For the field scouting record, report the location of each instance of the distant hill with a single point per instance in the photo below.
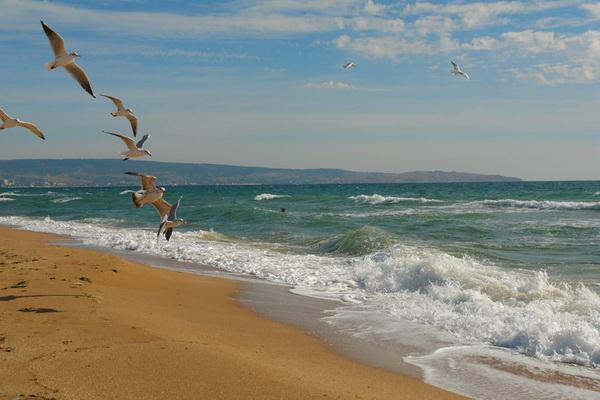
(109, 172)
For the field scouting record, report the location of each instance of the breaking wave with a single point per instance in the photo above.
(269, 196)
(541, 204)
(379, 199)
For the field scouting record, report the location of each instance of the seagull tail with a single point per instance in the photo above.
(136, 201)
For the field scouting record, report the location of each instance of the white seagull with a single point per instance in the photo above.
(9, 122)
(457, 71)
(66, 60)
(349, 65)
(149, 193)
(168, 217)
(123, 112)
(135, 150)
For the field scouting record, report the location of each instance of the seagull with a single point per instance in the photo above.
(123, 112)
(149, 192)
(66, 60)
(135, 149)
(349, 65)
(457, 71)
(168, 217)
(9, 122)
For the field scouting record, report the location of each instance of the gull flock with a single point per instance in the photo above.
(149, 193)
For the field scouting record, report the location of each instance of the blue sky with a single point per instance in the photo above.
(253, 82)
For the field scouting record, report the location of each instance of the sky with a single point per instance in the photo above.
(261, 83)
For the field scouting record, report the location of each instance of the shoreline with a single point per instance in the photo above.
(78, 329)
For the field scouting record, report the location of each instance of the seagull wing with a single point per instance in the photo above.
(118, 102)
(141, 142)
(79, 74)
(148, 181)
(465, 75)
(56, 41)
(128, 141)
(455, 66)
(163, 208)
(3, 115)
(32, 128)
(173, 212)
(133, 121)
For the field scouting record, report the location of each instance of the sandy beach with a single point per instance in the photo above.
(82, 324)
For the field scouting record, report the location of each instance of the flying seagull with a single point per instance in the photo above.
(457, 71)
(9, 122)
(123, 112)
(135, 150)
(168, 217)
(349, 65)
(66, 60)
(149, 193)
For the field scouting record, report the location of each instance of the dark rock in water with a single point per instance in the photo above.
(85, 279)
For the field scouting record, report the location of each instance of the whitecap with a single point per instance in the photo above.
(65, 199)
(379, 199)
(540, 204)
(269, 196)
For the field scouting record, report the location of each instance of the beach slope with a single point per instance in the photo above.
(82, 324)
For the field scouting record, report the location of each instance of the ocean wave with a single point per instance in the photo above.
(540, 204)
(65, 199)
(360, 241)
(2, 198)
(374, 199)
(476, 302)
(480, 303)
(16, 194)
(269, 196)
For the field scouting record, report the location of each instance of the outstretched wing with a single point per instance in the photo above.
(162, 207)
(33, 129)
(134, 123)
(128, 141)
(56, 41)
(454, 66)
(141, 142)
(117, 101)
(3, 115)
(148, 181)
(173, 212)
(168, 233)
(79, 74)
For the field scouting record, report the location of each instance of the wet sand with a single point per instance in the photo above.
(82, 324)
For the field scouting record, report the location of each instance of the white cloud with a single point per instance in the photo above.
(327, 85)
(592, 8)
(372, 8)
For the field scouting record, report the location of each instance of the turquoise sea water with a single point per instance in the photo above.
(513, 266)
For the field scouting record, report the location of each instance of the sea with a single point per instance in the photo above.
(499, 282)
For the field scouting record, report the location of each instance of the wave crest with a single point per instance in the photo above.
(374, 199)
(541, 204)
(269, 196)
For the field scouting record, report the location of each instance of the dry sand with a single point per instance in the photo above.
(81, 324)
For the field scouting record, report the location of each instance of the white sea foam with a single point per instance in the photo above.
(475, 302)
(66, 199)
(269, 196)
(540, 204)
(2, 198)
(374, 199)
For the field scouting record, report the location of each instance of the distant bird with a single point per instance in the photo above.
(135, 149)
(9, 122)
(457, 71)
(349, 65)
(66, 60)
(149, 192)
(123, 112)
(168, 217)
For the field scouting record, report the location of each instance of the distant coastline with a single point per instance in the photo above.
(109, 172)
